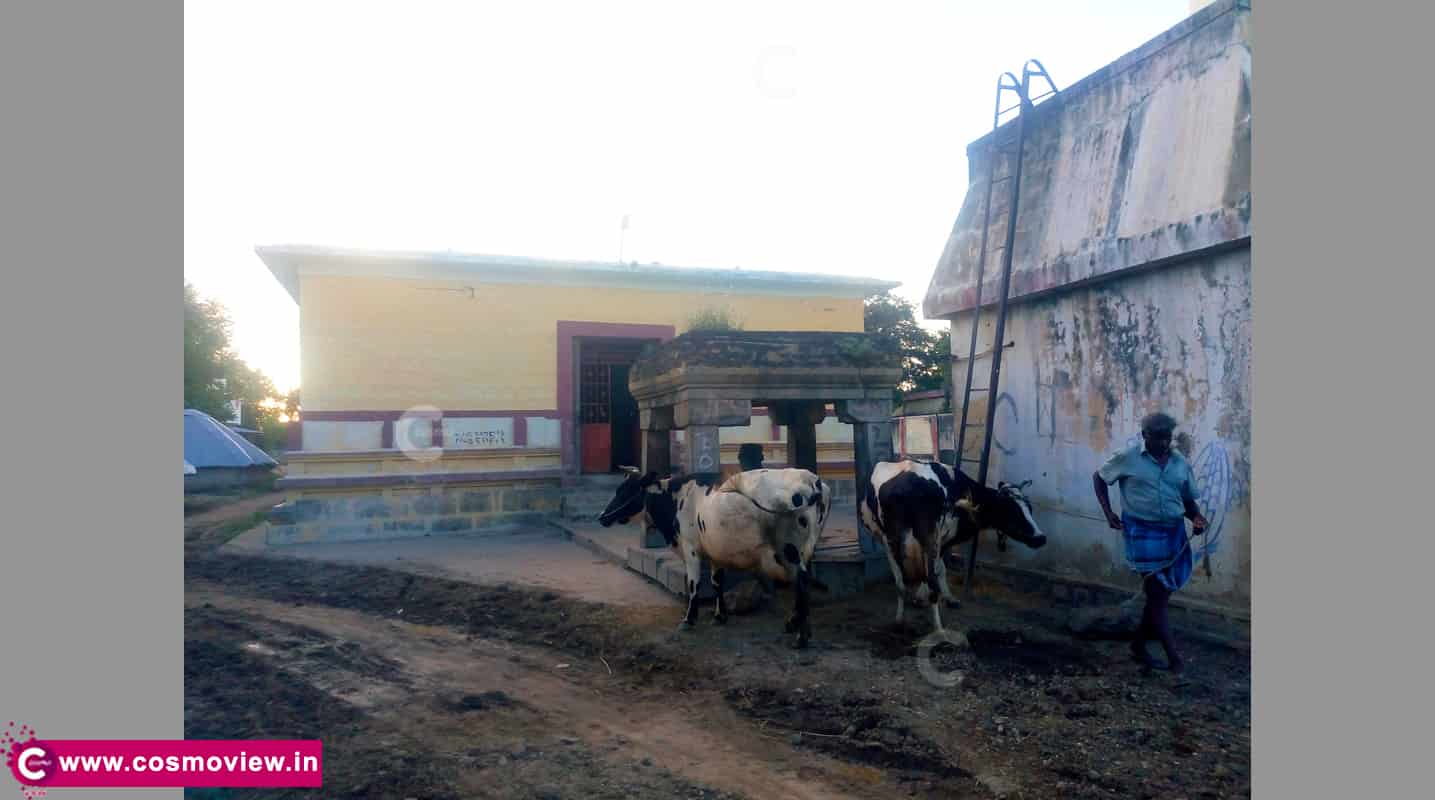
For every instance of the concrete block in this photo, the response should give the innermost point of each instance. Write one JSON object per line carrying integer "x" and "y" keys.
{"x": 404, "y": 526}
{"x": 479, "y": 501}
{"x": 343, "y": 533}
{"x": 434, "y": 505}
{"x": 676, "y": 580}
{"x": 371, "y": 507}
{"x": 654, "y": 567}
{"x": 510, "y": 520}
{"x": 451, "y": 524}
{"x": 531, "y": 500}
{"x": 307, "y": 510}
{"x": 726, "y": 413}
{"x": 868, "y": 411}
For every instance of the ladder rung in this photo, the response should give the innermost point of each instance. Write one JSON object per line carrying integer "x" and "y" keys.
{"x": 971, "y": 425}
{"x": 971, "y": 461}
{"x": 975, "y": 389}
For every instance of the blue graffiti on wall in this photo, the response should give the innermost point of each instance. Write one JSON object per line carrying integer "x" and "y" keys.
{"x": 1212, "y": 470}
{"x": 1006, "y": 399}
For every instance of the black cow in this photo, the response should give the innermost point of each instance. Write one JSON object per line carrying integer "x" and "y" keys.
{"x": 920, "y": 510}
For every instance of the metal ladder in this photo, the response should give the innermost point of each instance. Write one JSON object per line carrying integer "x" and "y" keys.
{"x": 1013, "y": 147}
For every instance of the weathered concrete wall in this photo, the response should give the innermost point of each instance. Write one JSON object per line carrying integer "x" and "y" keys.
{"x": 1146, "y": 159}
{"x": 395, "y": 513}
{"x": 1086, "y": 366}
{"x": 1131, "y": 293}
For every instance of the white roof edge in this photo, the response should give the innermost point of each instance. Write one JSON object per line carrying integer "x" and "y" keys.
{"x": 284, "y": 261}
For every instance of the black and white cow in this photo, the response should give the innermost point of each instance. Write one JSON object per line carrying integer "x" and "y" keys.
{"x": 920, "y": 510}
{"x": 764, "y": 521}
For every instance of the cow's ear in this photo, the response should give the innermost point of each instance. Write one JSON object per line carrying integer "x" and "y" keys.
{"x": 969, "y": 505}
{"x": 1021, "y": 487}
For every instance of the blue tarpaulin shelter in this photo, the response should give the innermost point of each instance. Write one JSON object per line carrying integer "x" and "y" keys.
{"x": 210, "y": 444}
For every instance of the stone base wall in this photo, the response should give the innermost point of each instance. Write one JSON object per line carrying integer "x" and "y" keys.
{"x": 389, "y": 513}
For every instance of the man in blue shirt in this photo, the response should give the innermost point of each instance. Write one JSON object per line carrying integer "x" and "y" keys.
{"x": 1157, "y": 494}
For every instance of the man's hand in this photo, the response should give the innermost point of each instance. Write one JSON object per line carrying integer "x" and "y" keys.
{"x": 1199, "y": 523}
{"x": 1104, "y": 500}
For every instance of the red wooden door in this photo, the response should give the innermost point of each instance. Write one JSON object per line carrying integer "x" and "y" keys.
{"x": 595, "y": 417}
{"x": 597, "y": 446}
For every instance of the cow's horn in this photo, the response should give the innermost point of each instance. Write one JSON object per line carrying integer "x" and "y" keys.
{"x": 631, "y": 470}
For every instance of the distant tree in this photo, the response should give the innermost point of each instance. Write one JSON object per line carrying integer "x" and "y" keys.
{"x": 926, "y": 355}
{"x": 206, "y": 355}
{"x": 214, "y": 375}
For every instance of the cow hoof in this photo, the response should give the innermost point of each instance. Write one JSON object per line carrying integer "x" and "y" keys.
{"x": 685, "y": 626}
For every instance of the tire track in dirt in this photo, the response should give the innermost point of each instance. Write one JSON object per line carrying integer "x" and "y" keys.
{"x": 697, "y": 737}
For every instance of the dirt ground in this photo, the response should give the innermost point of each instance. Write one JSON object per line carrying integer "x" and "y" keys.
{"x": 425, "y": 686}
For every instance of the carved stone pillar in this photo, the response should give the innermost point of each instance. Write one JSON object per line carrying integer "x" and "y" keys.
{"x": 871, "y": 422}
{"x": 657, "y": 423}
{"x": 801, "y": 419}
{"x": 700, "y": 418}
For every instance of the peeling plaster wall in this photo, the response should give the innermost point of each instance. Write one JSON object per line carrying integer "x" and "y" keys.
{"x": 1086, "y": 366}
{"x": 1131, "y": 293}
{"x": 1145, "y": 160}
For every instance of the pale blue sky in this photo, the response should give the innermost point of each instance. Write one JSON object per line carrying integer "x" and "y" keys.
{"x": 812, "y": 137}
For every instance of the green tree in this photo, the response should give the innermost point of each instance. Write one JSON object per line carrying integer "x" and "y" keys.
{"x": 206, "y": 354}
{"x": 214, "y": 375}
{"x": 926, "y": 355}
